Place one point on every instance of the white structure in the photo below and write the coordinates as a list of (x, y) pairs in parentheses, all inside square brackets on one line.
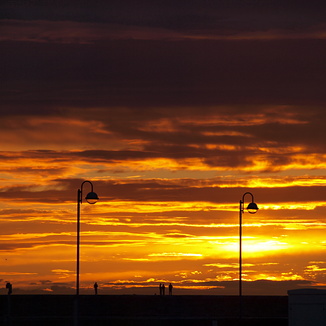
[(307, 307)]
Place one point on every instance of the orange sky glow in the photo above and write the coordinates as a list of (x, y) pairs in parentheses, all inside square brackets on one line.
[(172, 125)]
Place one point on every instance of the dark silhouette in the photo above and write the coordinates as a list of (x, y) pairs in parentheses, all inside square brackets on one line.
[(95, 287), (170, 289), (163, 289), (160, 286), (9, 287), (141, 310)]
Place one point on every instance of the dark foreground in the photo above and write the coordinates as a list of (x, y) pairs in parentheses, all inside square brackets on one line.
[(138, 310)]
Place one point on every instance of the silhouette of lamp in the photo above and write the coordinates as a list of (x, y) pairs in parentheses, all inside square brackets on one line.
[(91, 198), (252, 208)]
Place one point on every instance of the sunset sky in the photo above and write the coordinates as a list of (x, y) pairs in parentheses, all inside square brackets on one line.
[(173, 109)]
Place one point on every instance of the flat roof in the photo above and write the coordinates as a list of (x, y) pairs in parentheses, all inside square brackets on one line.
[(307, 291)]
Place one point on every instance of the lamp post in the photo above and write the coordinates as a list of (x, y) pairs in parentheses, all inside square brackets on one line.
[(91, 198), (252, 208)]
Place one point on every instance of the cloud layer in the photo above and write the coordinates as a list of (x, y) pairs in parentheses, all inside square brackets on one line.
[(174, 111)]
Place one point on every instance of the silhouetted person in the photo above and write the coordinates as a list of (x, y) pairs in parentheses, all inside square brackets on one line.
[(163, 289), (95, 287), (170, 289), (9, 287), (160, 287)]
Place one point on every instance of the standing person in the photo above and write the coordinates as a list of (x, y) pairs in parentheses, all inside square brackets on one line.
[(9, 287), (163, 289), (95, 287), (170, 289)]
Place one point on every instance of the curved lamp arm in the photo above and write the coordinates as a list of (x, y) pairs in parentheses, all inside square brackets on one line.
[(91, 197), (252, 207)]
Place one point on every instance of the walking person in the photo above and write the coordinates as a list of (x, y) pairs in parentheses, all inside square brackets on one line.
[(170, 289), (9, 287), (95, 287)]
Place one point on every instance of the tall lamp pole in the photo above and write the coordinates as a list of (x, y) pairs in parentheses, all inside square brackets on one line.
[(91, 198), (252, 208)]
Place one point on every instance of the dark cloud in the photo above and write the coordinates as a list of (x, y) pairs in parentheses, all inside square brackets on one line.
[(166, 191), (159, 73), (181, 15), (223, 142)]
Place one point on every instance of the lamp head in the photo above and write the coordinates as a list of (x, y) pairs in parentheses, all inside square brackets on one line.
[(91, 197), (252, 208)]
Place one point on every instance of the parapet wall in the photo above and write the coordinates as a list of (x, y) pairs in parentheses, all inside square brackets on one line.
[(137, 310)]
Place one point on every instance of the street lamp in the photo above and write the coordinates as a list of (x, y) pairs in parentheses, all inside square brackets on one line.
[(252, 208), (91, 198)]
